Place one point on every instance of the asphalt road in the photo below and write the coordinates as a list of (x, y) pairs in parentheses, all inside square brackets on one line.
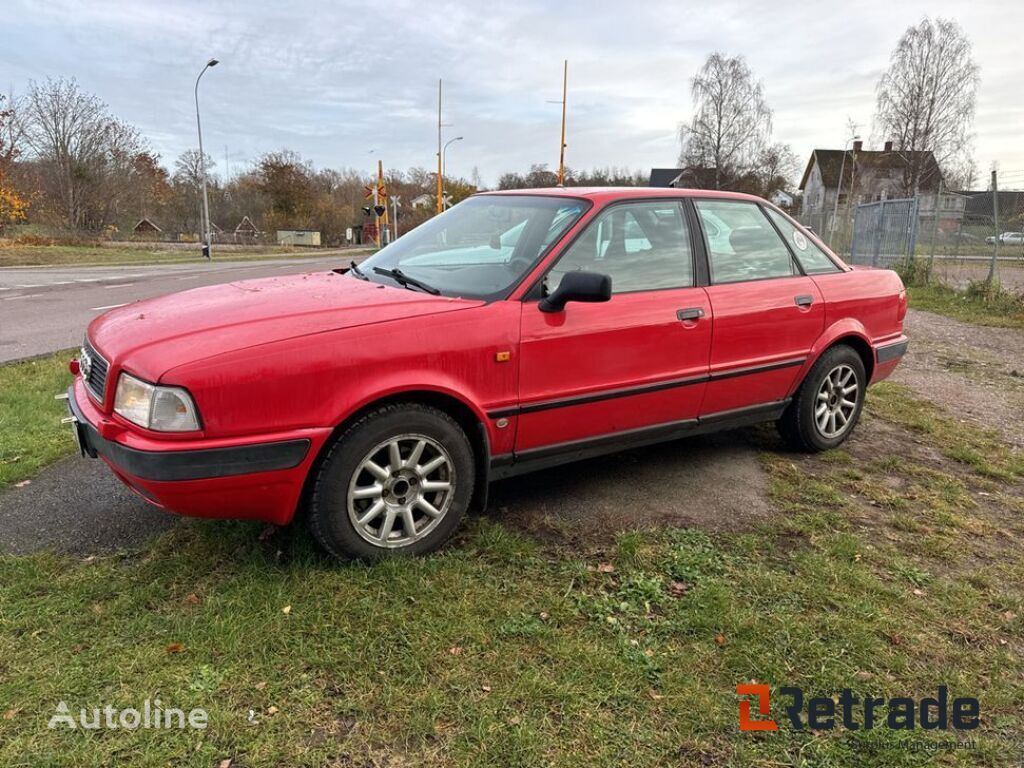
[(45, 309)]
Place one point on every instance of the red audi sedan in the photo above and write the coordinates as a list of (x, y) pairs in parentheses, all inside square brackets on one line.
[(516, 331)]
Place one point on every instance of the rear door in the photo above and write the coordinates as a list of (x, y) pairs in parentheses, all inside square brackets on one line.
[(768, 313), (629, 364)]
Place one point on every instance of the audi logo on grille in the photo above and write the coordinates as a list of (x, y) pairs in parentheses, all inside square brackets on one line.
[(85, 362)]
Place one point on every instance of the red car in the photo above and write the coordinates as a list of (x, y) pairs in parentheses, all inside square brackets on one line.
[(518, 330)]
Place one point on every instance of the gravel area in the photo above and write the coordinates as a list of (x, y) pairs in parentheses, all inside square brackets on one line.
[(971, 371)]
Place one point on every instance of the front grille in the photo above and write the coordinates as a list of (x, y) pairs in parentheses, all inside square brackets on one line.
[(94, 370)]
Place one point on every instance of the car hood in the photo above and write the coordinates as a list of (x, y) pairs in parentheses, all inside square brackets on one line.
[(153, 336)]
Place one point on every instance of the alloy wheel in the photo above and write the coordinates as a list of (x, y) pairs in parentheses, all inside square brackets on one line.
[(401, 490)]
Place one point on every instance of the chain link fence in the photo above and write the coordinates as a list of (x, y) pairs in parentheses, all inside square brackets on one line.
[(954, 235)]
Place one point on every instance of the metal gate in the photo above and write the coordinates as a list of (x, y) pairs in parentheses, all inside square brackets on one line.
[(884, 233)]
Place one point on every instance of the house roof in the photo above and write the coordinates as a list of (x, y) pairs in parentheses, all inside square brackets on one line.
[(830, 162), (691, 177), (145, 223)]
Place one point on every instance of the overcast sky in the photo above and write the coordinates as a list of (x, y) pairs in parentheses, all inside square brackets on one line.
[(343, 83)]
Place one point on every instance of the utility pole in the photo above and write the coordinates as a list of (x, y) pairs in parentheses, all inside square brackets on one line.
[(394, 210), (995, 226), (440, 172), (561, 148)]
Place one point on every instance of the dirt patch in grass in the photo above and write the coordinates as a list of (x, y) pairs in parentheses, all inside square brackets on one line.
[(714, 483)]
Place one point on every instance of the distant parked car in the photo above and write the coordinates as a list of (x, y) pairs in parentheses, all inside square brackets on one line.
[(515, 331), (1007, 238)]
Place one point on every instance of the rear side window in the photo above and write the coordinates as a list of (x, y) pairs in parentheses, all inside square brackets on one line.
[(811, 257), (742, 243), (643, 246)]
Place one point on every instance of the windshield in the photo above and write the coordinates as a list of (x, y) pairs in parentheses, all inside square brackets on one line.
[(477, 249)]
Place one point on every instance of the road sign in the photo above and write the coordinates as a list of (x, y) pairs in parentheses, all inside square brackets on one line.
[(369, 191)]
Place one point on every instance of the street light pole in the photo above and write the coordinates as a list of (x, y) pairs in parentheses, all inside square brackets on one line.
[(440, 173), (444, 150), (839, 189), (202, 165)]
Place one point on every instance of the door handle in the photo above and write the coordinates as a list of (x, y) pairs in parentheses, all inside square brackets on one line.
[(690, 313), (804, 300)]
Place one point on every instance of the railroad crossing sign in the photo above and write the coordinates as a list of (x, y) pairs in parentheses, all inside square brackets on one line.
[(380, 189)]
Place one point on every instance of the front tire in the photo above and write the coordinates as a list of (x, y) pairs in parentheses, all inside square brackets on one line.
[(396, 482), (828, 403)]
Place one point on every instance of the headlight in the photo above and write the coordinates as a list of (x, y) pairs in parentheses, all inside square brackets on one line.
[(166, 409)]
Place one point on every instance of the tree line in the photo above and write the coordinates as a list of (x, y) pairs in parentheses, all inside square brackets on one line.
[(68, 165)]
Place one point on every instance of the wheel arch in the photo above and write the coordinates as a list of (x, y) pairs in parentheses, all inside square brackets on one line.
[(849, 332), (445, 401)]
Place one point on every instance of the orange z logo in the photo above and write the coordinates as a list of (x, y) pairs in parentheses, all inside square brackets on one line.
[(746, 724)]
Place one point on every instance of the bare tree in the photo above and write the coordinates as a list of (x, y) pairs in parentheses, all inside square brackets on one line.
[(776, 167), (926, 99), (82, 154), (731, 122)]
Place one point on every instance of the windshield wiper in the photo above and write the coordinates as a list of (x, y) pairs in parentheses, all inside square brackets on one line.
[(355, 270), (405, 281)]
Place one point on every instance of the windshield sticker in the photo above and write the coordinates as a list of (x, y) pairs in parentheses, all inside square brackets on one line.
[(800, 240)]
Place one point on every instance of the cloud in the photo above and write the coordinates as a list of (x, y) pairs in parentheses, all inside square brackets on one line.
[(334, 81)]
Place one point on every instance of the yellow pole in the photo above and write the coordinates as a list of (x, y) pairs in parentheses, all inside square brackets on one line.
[(561, 148), (380, 185), (440, 181)]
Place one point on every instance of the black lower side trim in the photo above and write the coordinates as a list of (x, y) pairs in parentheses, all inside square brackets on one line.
[(891, 351), (200, 464), (508, 465), (640, 389)]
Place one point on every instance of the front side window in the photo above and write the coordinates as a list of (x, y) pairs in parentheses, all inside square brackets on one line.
[(479, 248), (742, 243), (642, 246), (811, 257)]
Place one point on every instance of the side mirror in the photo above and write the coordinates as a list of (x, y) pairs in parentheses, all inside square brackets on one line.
[(578, 286)]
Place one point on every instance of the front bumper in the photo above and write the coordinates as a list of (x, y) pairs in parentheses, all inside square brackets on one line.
[(243, 479)]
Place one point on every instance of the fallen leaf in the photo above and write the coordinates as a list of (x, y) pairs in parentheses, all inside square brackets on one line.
[(261, 685), (863, 675), (272, 710), (10, 713), (455, 650), (719, 639), (515, 720), (606, 568), (225, 763), (175, 648), (192, 598), (1009, 615), (678, 588), (544, 616), (655, 695), (919, 592), (485, 688), (23, 483), (286, 610)]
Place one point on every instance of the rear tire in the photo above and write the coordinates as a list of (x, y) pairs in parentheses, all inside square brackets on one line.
[(396, 482), (828, 403)]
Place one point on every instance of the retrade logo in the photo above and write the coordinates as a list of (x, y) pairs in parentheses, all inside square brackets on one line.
[(822, 713), (761, 692)]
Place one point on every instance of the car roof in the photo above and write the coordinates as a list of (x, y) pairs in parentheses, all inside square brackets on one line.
[(607, 194)]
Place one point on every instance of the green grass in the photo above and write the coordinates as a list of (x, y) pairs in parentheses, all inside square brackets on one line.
[(881, 573), (78, 255), (31, 434), (1003, 311)]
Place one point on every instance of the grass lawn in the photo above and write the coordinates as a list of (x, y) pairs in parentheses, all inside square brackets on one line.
[(1006, 311), (77, 255), (892, 567), (31, 434)]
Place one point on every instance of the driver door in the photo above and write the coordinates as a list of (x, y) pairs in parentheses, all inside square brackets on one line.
[(619, 368)]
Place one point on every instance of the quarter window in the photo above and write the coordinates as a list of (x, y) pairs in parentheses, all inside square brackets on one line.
[(642, 246), (814, 260), (742, 243)]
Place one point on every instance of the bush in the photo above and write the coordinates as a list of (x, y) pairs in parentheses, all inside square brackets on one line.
[(914, 271)]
